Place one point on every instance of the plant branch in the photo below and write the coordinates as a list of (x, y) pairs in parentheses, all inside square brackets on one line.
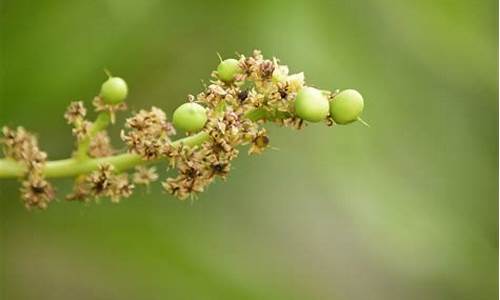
[(81, 164)]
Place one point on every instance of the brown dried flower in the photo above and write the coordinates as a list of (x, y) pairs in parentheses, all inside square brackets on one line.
[(36, 192), (149, 132), (144, 175), (75, 112), (18, 144), (120, 188), (100, 180), (100, 145), (259, 143), (81, 129), (105, 183)]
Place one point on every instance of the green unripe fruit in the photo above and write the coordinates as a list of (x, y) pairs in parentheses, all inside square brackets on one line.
[(114, 90), (346, 106), (190, 117), (228, 69), (311, 105)]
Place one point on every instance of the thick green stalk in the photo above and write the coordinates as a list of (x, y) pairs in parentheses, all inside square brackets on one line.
[(81, 164), (75, 166)]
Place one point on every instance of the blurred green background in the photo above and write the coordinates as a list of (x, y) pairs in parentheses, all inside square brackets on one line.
[(405, 209)]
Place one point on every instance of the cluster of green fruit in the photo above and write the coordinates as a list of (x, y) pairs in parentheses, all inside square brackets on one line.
[(311, 104)]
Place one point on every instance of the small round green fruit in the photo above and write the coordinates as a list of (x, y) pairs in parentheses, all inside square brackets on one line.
[(190, 117), (346, 107), (114, 90), (311, 105), (228, 69)]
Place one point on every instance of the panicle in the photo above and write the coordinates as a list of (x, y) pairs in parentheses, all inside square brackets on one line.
[(261, 90)]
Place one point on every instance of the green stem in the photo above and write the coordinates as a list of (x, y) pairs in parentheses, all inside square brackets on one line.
[(81, 164), (74, 166)]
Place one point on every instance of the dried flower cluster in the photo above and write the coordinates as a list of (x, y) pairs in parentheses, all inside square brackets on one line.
[(99, 144), (148, 133), (22, 146), (103, 182), (75, 115), (236, 110), (263, 86)]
